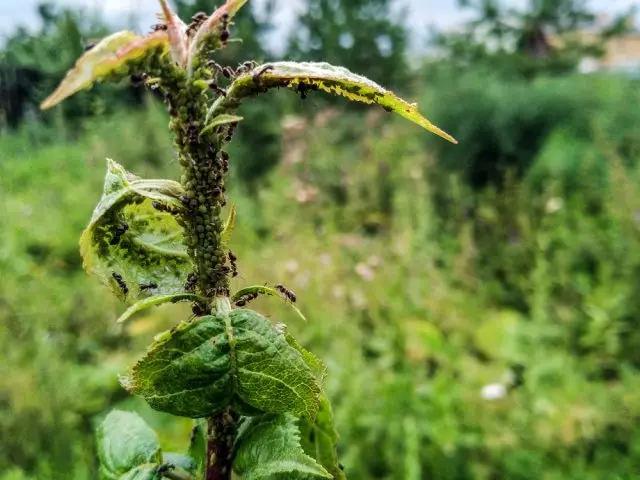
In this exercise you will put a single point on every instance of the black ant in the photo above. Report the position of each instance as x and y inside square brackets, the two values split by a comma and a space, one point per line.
[244, 299]
[147, 286]
[216, 88]
[89, 45]
[197, 310]
[246, 67]
[197, 20]
[234, 266]
[224, 34]
[262, 71]
[288, 294]
[121, 283]
[224, 156]
[118, 232]
[190, 285]
[165, 208]
[159, 27]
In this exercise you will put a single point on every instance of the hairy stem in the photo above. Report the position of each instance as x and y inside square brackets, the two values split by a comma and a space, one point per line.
[204, 167]
[221, 432]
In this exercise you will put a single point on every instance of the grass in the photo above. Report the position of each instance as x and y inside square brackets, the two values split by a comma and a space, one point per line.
[415, 301]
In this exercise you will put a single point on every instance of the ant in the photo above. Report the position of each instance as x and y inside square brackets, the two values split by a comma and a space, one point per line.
[216, 88]
[121, 283]
[190, 285]
[224, 156]
[147, 286]
[288, 294]
[246, 67]
[262, 71]
[119, 231]
[161, 207]
[244, 299]
[224, 34]
[89, 45]
[234, 266]
[159, 27]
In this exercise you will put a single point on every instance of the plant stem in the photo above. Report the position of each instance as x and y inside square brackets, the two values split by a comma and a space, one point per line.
[221, 431]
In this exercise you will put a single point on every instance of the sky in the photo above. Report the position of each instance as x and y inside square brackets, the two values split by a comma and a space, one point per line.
[420, 13]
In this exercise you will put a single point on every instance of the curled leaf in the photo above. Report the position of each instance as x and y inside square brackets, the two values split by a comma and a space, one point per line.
[222, 119]
[155, 301]
[264, 290]
[177, 33]
[133, 242]
[104, 59]
[212, 28]
[269, 447]
[319, 438]
[202, 366]
[307, 76]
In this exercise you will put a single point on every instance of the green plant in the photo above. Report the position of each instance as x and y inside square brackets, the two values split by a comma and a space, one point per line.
[256, 395]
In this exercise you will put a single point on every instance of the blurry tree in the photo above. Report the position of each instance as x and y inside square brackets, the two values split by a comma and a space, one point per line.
[361, 34]
[31, 64]
[547, 36]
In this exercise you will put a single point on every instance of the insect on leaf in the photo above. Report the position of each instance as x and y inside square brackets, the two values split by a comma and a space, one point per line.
[263, 290]
[222, 119]
[104, 59]
[307, 76]
[202, 366]
[155, 301]
[126, 442]
[212, 28]
[269, 447]
[133, 242]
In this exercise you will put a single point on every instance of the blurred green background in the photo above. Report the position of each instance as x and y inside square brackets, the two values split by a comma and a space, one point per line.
[477, 305]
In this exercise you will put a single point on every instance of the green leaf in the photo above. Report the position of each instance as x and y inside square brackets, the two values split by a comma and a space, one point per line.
[179, 460]
[268, 447]
[143, 472]
[198, 444]
[316, 365]
[222, 119]
[306, 76]
[202, 366]
[155, 301]
[130, 244]
[104, 59]
[125, 442]
[263, 290]
[319, 438]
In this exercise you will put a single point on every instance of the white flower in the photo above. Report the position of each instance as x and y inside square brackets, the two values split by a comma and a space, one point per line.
[494, 391]
[365, 271]
[553, 205]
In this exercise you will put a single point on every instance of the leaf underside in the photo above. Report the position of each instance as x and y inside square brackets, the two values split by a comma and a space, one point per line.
[268, 447]
[126, 443]
[133, 247]
[307, 76]
[202, 366]
[106, 58]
